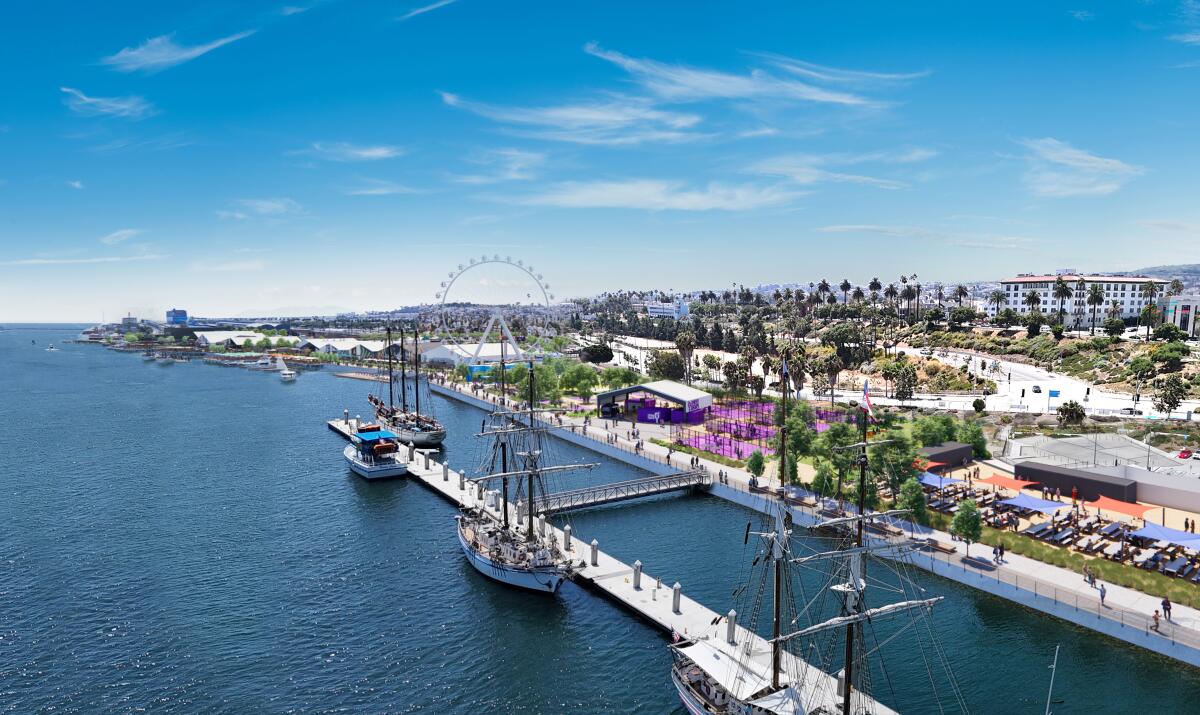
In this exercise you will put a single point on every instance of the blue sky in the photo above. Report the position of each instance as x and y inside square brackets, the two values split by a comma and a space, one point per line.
[234, 157]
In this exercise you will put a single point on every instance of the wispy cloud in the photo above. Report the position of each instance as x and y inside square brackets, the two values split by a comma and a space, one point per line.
[345, 151]
[131, 107]
[261, 207]
[1057, 169]
[616, 120]
[1187, 38]
[229, 267]
[504, 165]
[162, 143]
[379, 187]
[289, 10]
[812, 168]
[680, 83]
[1171, 225]
[656, 195]
[1187, 16]
[160, 53]
[424, 9]
[116, 237]
[962, 239]
[82, 261]
[1082, 15]
[74, 184]
[836, 75]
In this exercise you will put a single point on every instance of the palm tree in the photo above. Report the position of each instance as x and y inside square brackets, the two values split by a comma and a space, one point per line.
[913, 278]
[908, 294]
[874, 286]
[1033, 300]
[823, 288]
[685, 343]
[961, 293]
[1095, 298]
[1062, 291]
[1150, 291]
[1114, 309]
[858, 294]
[997, 298]
[1176, 287]
[845, 286]
[939, 292]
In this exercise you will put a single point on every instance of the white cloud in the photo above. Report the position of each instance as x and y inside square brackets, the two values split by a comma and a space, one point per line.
[616, 121]
[131, 107]
[1057, 169]
[116, 237]
[810, 168]
[505, 165]
[344, 151]
[655, 195]
[378, 187]
[160, 53]
[230, 267]
[75, 184]
[268, 207]
[1187, 38]
[680, 83]
[1171, 225]
[233, 215]
[1082, 15]
[288, 10]
[422, 10]
[81, 261]
[835, 75]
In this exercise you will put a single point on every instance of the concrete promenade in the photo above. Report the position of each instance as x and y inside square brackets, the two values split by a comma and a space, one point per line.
[1126, 613]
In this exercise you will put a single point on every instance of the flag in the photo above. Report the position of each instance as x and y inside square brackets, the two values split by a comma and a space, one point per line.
[866, 402]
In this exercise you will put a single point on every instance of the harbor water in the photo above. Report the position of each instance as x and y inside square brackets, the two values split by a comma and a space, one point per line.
[187, 538]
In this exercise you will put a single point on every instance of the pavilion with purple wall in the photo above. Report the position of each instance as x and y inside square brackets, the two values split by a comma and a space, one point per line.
[659, 402]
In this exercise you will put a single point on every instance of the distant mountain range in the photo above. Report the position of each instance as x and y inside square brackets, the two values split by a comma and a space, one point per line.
[1189, 273]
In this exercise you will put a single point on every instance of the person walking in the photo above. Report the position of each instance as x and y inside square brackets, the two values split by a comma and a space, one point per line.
[1155, 617]
[1166, 606]
[1001, 552]
[1103, 593]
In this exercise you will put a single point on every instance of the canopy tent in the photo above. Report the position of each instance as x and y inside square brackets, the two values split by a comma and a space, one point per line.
[1158, 532]
[1025, 501]
[374, 436]
[1007, 482]
[930, 479]
[1123, 507]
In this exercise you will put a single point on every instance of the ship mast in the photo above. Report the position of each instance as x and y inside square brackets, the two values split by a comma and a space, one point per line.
[391, 382]
[529, 488]
[503, 445]
[403, 374]
[777, 553]
[853, 592]
[417, 368]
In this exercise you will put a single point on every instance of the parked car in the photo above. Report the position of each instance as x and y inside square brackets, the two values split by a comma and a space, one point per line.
[1130, 411]
[1196, 456]
[1185, 454]
[1037, 389]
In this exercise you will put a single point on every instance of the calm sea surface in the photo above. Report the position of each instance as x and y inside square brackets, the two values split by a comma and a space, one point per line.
[186, 538]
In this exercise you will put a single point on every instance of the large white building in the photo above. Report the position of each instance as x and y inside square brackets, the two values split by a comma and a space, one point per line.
[677, 310]
[1182, 310]
[1120, 292]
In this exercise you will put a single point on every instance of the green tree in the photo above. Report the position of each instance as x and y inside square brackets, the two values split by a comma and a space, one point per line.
[131, 337]
[1071, 413]
[1169, 332]
[825, 481]
[1170, 394]
[934, 430]
[1063, 292]
[263, 343]
[1150, 291]
[912, 498]
[1095, 299]
[685, 343]
[967, 524]
[1114, 327]
[1171, 355]
[906, 382]
[596, 353]
[893, 462]
[756, 464]
[1034, 322]
[615, 377]
[971, 432]
[979, 405]
[579, 380]
[666, 365]
[712, 364]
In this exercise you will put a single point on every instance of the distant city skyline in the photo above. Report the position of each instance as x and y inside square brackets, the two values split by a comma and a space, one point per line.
[333, 155]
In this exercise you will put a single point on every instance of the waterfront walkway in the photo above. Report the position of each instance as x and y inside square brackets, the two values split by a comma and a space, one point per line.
[1126, 613]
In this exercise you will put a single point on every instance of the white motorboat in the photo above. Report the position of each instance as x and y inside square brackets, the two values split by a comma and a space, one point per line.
[286, 374]
[148, 356]
[164, 359]
[375, 455]
[51, 348]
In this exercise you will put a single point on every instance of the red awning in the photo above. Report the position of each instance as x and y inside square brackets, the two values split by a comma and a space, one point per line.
[1007, 482]
[1122, 507]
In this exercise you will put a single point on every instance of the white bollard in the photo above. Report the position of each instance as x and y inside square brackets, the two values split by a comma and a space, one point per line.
[637, 575]
[731, 627]
[676, 592]
[346, 417]
[567, 537]
[595, 553]
[357, 422]
[462, 483]
[427, 461]
[445, 472]
[412, 451]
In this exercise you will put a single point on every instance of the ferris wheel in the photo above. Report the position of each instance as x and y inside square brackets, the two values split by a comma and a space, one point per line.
[531, 303]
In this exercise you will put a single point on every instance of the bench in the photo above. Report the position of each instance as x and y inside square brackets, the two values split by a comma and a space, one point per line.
[935, 545]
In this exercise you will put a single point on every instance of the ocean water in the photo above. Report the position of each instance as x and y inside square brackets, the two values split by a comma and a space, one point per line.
[186, 538]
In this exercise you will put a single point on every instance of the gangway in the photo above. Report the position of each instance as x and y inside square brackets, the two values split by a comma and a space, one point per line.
[622, 491]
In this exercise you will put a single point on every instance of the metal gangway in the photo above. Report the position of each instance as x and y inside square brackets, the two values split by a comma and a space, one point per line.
[622, 491]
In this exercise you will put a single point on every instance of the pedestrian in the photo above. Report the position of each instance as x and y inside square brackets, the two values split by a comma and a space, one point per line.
[996, 554]
[1103, 593]
[1156, 617]
[1185, 523]
[1001, 552]
[1166, 607]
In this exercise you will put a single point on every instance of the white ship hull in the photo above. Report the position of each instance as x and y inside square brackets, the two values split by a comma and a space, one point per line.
[541, 579]
[379, 469]
[419, 438]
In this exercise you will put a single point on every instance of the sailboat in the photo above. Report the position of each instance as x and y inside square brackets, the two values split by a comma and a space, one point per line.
[739, 673]
[490, 535]
[411, 427]
[286, 374]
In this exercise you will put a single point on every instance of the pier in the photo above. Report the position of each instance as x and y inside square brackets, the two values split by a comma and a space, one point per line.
[623, 491]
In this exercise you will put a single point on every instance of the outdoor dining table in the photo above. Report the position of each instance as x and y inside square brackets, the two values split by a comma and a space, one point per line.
[1113, 549]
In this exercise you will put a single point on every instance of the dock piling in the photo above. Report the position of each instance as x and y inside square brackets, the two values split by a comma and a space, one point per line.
[595, 553]
[637, 575]
[445, 472]
[731, 627]
[676, 593]
[567, 538]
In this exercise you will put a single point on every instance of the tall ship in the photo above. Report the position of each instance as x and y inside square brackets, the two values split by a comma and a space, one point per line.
[804, 647]
[423, 431]
[508, 543]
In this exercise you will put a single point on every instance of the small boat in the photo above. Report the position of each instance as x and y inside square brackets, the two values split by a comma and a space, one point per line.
[375, 454]
[286, 374]
[51, 349]
[164, 359]
[148, 356]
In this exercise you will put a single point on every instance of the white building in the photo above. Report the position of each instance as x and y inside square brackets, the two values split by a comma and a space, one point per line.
[677, 310]
[238, 338]
[1123, 293]
[452, 354]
